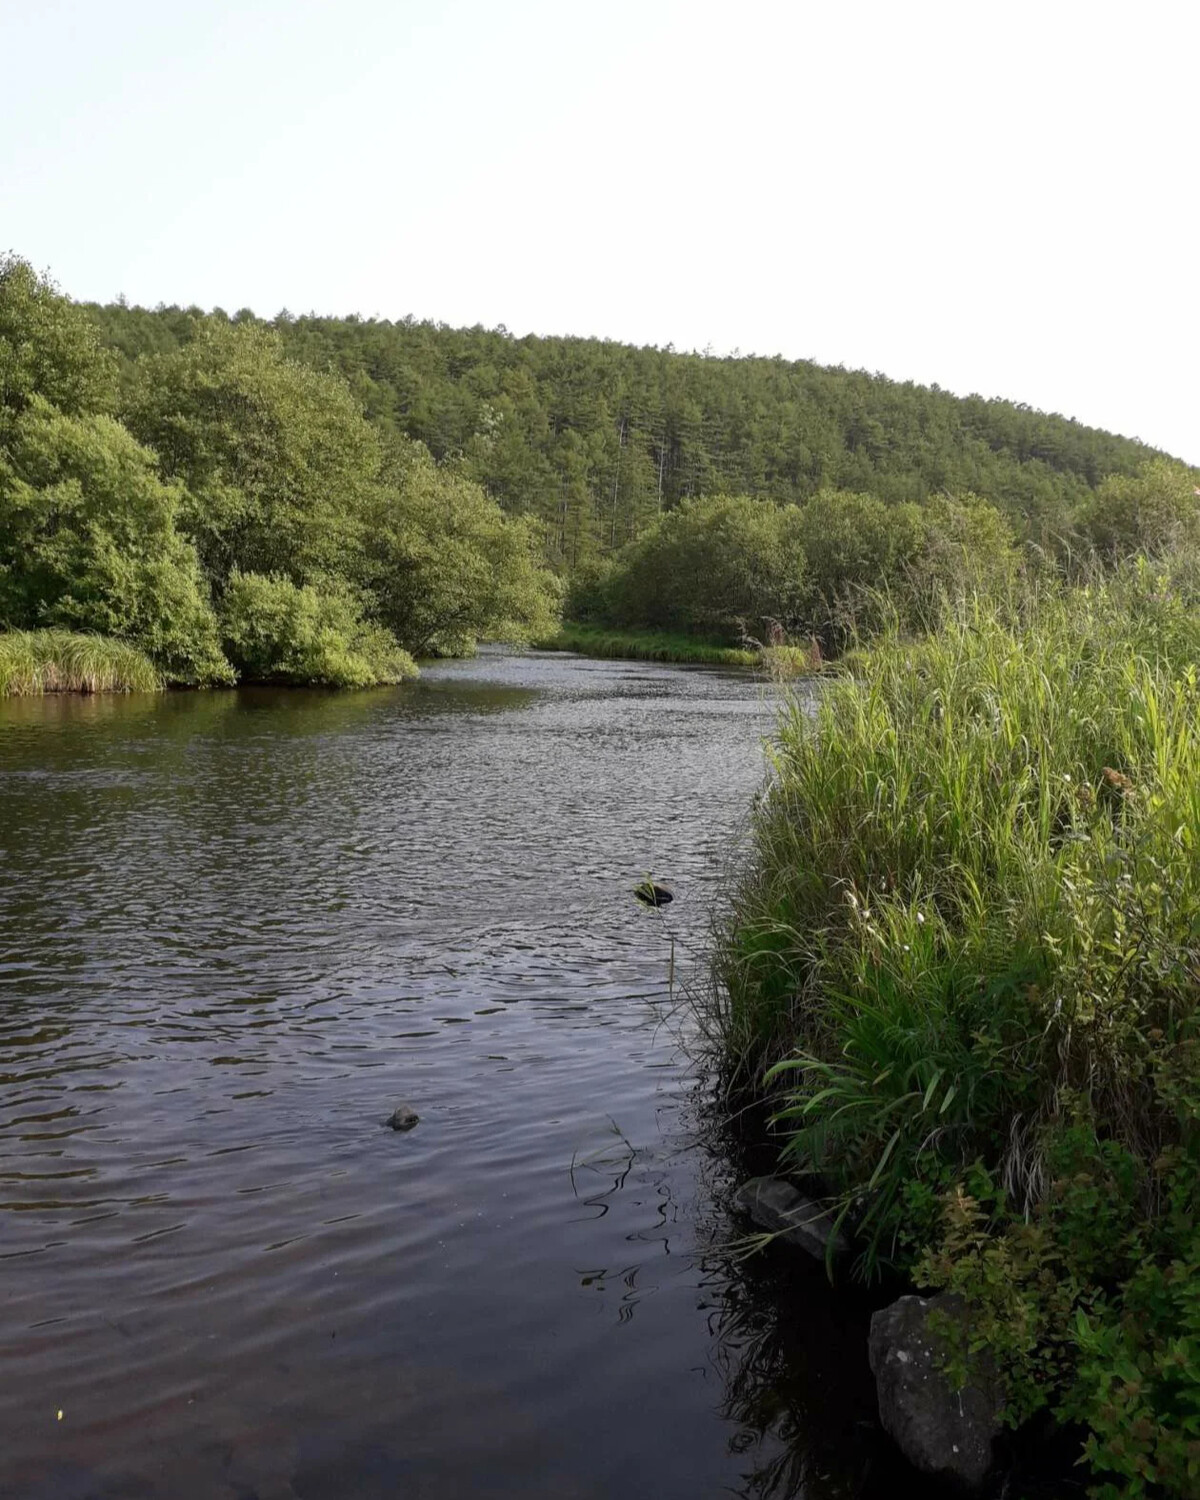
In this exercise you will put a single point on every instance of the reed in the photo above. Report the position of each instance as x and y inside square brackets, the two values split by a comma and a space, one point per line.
[964, 966]
[59, 661]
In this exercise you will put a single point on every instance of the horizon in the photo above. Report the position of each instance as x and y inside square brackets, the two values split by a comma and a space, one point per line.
[997, 211]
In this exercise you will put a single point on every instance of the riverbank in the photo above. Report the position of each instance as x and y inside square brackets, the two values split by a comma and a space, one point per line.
[963, 969]
[652, 645]
[34, 662]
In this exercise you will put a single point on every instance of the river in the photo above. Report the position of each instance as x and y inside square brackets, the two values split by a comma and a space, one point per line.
[236, 930]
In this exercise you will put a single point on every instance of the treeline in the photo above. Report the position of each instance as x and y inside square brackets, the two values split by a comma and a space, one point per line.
[232, 513]
[596, 440]
[734, 570]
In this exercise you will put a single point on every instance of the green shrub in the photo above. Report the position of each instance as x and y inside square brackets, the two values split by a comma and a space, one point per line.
[278, 631]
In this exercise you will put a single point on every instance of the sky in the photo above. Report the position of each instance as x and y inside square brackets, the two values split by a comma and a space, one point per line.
[998, 198]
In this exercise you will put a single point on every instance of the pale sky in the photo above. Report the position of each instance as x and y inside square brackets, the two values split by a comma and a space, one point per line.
[995, 197]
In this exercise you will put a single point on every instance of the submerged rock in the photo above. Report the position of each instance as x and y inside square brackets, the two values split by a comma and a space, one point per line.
[652, 894]
[775, 1204]
[403, 1117]
[945, 1433]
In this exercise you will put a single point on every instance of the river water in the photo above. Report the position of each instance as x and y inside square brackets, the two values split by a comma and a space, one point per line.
[236, 930]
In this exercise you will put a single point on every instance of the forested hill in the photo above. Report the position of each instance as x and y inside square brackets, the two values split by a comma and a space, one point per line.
[596, 438]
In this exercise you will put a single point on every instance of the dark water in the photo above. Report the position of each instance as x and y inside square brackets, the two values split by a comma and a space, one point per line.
[237, 929]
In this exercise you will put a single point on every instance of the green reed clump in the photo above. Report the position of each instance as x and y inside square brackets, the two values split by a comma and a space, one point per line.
[965, 963]
[61, 661]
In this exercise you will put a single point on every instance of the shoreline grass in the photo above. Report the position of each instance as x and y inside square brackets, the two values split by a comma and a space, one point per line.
[35, 662]
[630, 645]
[963, 966]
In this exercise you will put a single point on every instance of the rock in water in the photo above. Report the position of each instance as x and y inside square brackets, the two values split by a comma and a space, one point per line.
[651, 894]
[774, 1204]
[403, 1117]
[943, 1432]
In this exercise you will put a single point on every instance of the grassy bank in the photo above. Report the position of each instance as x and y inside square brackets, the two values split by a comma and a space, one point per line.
[58, 661]
[653, 645]
[964, 963]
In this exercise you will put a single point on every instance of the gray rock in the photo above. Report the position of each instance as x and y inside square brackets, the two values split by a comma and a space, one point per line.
[403, 1117]
[943, 1432]
[774, 1204]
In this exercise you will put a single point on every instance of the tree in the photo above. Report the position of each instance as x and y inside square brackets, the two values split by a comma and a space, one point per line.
[49, 347]
[444, 565]
[723, 567]
[88, 541]
[277, 459]
[1152, 511]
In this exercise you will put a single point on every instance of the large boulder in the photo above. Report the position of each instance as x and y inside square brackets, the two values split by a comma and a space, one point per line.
[945, 1433]
[777, 1205]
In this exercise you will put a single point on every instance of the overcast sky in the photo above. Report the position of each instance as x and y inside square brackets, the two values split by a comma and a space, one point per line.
[995, 197]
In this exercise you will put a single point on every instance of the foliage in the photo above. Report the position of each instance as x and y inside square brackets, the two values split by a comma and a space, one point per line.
[1155, 511]
[278, 631]
[444, 565]
[965, 955]
[277, 459]
[597, 439]
[214, 464]
[56, 661]
[49, 347]
[723, 567]
[88, 542]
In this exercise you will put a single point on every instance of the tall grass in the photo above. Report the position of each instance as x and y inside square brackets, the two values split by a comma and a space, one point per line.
[59, 661]
[965, 964]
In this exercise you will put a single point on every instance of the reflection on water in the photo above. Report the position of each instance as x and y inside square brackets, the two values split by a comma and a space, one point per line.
[237, 930]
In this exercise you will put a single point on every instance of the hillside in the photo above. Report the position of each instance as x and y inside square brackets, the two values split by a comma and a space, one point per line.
[596, 438]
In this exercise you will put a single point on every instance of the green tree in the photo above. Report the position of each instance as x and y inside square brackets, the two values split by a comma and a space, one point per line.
[277, 459]
[88, 541]
[443, 563]
[1154, 511]
[49, 347]
[725, 567]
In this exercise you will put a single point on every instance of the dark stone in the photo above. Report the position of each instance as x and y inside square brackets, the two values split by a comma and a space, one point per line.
[652, 894]
[945, 1433]
[403, 1117]
[774, 1204]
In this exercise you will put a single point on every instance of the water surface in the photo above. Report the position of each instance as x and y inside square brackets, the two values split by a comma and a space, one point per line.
[236, 929]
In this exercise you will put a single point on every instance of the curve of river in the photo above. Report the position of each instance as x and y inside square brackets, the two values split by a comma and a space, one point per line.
[236, 929]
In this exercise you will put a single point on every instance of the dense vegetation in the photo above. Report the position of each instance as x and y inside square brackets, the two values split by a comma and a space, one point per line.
[734, 500]
[597, 439]
[967, 955]
[230, 512]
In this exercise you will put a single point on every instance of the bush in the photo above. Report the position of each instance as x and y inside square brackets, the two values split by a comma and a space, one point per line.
[967, 953]
[278, 631]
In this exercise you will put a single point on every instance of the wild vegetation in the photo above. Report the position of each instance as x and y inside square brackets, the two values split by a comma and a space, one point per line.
[964, 963]
[590, 640]
[231, 513]
[596, 440]
[57, 661]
